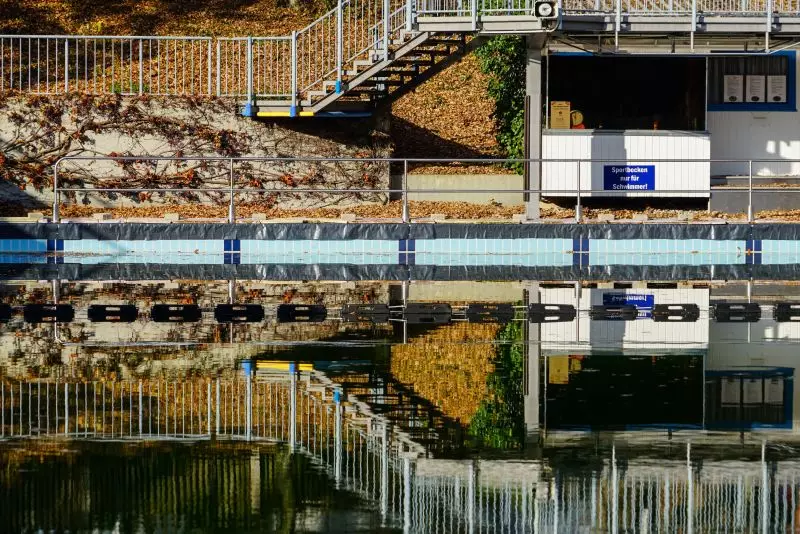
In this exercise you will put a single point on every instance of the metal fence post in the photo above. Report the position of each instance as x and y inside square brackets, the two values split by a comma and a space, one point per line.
[578, 208]
[386, 12]
[141, 67]
[750, 191]
[293, 108]
[210, 55]
[293, 409]
[249, 71]
[474, 14]
[409, 15]
[231, 207]
[55, 192]
[219, 67]
[339, 45]
[406, 215]
[66, 65]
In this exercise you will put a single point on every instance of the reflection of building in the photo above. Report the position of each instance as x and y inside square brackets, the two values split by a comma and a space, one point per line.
[703, 374]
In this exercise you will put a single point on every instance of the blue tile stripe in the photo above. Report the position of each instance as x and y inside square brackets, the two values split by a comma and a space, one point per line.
[407, 254]
[753, 252]
[580, 252]
[233, 252]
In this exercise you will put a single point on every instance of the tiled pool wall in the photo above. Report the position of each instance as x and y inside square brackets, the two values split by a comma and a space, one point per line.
[495, 247]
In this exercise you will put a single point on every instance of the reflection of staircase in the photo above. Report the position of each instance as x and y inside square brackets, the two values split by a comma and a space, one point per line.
[377, 80]
[417, 417]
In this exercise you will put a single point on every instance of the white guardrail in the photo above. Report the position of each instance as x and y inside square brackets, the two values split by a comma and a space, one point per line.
[279, 68]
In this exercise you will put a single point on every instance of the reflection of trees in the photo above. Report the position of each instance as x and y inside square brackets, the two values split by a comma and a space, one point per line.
[499, 421]
[202, 486]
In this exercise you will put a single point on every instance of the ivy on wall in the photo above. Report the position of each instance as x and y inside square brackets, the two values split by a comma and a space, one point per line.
[503, 60]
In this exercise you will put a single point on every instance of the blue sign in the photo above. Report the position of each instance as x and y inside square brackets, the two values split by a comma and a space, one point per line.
[629, 177]
[644, 303]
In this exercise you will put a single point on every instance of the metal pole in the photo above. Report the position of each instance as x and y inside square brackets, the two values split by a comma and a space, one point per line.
[750, 191]
[208, 406]
[209, 66]
[406, 216]
[216, 415]
[339, 45]
[141, 67]
[55, 193]
[250, 71]
[474, 14]
[690, 494]
[472, 480]
[219, 68]
[249, 412]
[337, 437]
[385, 470]
[231, 209]
[293, 108]
[409, 15]
[578, 196]
[614, 491]
[293, 408]
[764, 489]
[386, 12]
[66, 408]
[66, 65]
[140, 407]
[406, 495]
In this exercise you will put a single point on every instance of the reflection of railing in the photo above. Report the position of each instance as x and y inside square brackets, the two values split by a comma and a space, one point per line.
[588, 173]
[359, 449]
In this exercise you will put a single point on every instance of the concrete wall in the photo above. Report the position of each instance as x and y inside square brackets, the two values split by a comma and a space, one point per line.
[34, 133]
[449, 182]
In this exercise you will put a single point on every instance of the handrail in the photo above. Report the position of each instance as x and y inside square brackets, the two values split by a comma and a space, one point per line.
[404, 191]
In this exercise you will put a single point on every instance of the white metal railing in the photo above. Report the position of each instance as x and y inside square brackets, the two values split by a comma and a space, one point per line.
[281, 68]
[129, 65]
[234, 170]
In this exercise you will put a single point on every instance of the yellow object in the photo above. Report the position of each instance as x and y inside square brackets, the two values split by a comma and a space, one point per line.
[558, 370]
[576, 117]
[283, 366]
[283, 114]
[575, 364]
[559, 115]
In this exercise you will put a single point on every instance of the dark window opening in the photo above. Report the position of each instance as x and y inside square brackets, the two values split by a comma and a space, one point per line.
[637, 93]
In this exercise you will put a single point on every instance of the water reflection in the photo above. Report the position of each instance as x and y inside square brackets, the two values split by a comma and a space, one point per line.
[462, 424]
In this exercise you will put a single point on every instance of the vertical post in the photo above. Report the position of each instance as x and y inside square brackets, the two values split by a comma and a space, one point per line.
[209, 56]
[472, 481]
[216, 415]
[386, 20]
[578, 208]
[406, 495]
[249, 408]
[208, 406]
[337, 437]
[293, 408]
[693, 26]
[141, 67]
[231, 209]
[219, 67]
[66, 65]
[690, 489]
[339, 44]
[765, 513]
[406, 217]
[533, 128]
[409, 15]
[293, 108]
[385, 470]
[618, 23]
[140, 407]
[769, 25]
[750, 191]
[614, 491]
[55, 192]
[66, 408]
[249, 105]
[473, 6]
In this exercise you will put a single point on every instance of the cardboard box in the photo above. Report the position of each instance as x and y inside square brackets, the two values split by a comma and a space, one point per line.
[559, 115]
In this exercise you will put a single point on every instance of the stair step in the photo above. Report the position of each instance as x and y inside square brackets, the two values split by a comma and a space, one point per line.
[389, 83]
